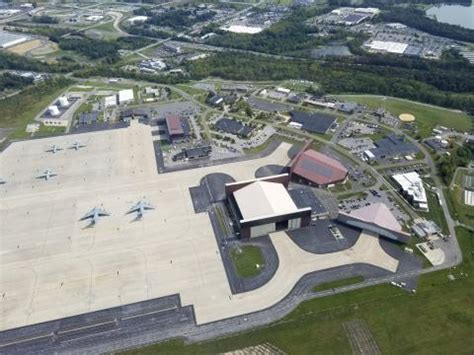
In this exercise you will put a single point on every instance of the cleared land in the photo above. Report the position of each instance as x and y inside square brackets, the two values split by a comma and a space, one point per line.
[25, 47]
[439, 319]
[246, 260]
[427, 117]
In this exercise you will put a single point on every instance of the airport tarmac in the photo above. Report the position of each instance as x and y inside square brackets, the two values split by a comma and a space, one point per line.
[54, 265]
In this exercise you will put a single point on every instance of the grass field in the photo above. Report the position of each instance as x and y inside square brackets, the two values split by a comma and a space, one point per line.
[458, 209]
[435, 211]
[19, 110]
[438, 319]
[427, 117]
[338, 283]
[246, 260]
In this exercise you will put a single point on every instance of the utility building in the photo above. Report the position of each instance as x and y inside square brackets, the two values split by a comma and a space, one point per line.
[264, 206]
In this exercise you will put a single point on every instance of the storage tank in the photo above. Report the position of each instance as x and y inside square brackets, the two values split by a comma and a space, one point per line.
[53, 110]
[63, 101]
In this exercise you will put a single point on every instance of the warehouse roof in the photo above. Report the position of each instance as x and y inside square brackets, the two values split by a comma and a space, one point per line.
[319, 168]
[264, 198]
[379, 214]
[174, 125]
[313, 122]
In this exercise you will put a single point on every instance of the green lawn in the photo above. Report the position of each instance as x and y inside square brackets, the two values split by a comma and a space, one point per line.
[458, 209]
[338, 283]
[435, 211]
[438, 319]
[427, 117]
[246, 260]
[45, 131]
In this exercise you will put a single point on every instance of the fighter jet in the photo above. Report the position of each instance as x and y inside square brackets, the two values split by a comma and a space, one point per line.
[140, 207]
[54, 148]
[94, 215]
[77, 146]
[47, 175]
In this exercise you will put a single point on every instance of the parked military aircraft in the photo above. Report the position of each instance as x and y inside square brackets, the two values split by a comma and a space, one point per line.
[77, 146]
[54, 148]
[95, 214]
[47, 175]
[140, 207]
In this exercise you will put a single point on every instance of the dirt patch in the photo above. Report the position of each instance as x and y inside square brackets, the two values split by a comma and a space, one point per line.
[361, 339]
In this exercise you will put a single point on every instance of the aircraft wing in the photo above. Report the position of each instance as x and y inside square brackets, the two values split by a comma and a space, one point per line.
[135, 208]
[103, 213]
[88, 215]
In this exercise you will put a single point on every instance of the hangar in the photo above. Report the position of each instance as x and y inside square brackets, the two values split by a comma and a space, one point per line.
[177, 129]
[317, 168]
[376, 218]
[264, 206]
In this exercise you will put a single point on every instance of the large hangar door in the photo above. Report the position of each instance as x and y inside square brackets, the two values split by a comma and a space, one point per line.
[264, 229]
[294, 223]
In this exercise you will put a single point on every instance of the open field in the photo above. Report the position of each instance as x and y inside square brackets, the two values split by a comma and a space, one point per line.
[25, 47]
[455, 199]
[19, 110]
[439, 319]
[435, 211]
[246, 260]
[427, 117]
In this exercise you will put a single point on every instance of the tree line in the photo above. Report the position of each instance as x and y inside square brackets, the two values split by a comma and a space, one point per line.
[334, 77]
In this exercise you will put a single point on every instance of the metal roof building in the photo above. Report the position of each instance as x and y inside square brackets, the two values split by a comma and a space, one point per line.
[313, 122]
[376, 218]
[175, 127]
[263, 206]
[318, 169]
[10, 39]
[412, 188]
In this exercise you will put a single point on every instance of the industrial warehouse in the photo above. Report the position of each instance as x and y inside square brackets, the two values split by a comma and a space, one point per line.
[264, 206]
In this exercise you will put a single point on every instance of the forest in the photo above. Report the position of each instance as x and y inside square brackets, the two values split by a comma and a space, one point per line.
[334, 77]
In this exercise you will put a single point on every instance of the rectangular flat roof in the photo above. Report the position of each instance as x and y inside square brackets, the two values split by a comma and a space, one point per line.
[313, 122]
[263, 198]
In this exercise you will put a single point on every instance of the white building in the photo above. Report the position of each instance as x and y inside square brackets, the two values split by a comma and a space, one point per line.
[283, 90]
[11, 39]
[137, 19]
[110, 101]
[368, 10]
[388, 46]
[411, 186]
[57, 122]
[242, 29]
[63, 101]
[53, 110]
[125, 96]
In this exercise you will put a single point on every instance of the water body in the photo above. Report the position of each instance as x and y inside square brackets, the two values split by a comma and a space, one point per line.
[460, 15]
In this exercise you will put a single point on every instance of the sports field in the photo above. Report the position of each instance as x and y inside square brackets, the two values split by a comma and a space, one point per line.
[427, 117]
[438, 319]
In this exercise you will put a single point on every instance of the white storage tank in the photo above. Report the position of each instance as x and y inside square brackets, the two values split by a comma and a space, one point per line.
[63, 101]
[53, 110]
